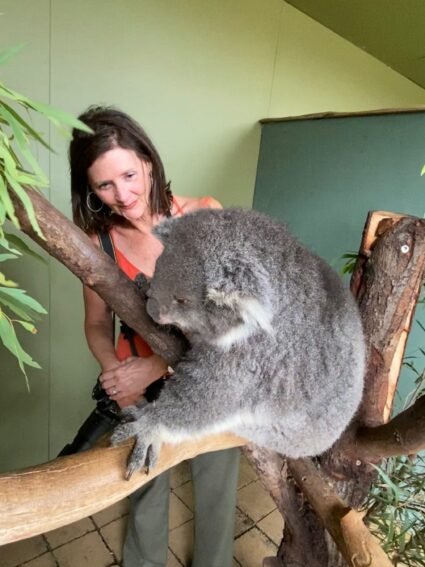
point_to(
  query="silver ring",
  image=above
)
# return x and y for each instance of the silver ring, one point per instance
(114, 391)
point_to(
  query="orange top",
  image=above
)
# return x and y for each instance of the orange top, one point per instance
(123, 348)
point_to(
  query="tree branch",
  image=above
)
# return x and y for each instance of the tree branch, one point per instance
(403, 435)
(357, 545)
(48, 496)
(68, 244)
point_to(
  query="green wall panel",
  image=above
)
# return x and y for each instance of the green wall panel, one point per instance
(322, 177)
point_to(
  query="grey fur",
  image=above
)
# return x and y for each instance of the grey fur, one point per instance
(294, 382)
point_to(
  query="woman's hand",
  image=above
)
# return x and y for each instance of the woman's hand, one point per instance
(127, 381)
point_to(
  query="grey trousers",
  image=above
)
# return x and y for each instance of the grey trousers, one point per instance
(214, 479)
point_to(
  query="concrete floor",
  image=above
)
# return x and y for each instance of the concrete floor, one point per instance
(96, 541)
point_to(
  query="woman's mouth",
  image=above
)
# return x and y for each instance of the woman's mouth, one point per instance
(129, 206)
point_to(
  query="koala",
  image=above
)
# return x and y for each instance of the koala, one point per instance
(276, 344)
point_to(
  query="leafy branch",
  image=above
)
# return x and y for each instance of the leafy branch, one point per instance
(19, 169)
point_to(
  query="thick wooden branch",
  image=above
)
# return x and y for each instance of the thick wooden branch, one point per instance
(356, 544)
(386, 282)
(68, 244)
(48, 496)
(301, 544)
(403, 435)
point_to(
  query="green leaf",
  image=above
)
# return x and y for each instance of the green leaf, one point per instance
(6, 54)
(10, 341)
(4, 257)
(28, 326)
(22, 247)
(7, 246)
(389, 483)
(5, 282)
(8, 114)
(21, 296)
(17, 120)
(2, 213)
(8, 158)
(423, 170)
(26, 201)
(59, 117)
(16, 307)
(8, 205)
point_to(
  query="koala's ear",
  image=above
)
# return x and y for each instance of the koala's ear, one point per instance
(163, 230)
(253, 313)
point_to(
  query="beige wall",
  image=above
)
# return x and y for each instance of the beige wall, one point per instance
(198, 75)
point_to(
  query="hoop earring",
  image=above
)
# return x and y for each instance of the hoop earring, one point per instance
(89, 204)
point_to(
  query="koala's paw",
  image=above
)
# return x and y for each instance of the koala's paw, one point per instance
(146, 448)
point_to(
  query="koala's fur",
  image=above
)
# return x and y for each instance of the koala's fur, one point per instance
(277, 352)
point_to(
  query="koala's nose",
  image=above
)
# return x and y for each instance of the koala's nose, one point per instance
(152, 307)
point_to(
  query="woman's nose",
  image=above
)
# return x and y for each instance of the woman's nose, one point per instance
(120, 193)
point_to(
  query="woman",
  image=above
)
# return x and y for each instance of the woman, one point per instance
(118, 186)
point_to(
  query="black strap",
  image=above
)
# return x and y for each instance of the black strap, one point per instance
(153, 390)
(107, 246)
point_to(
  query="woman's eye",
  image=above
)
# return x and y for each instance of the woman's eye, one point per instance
(103, 186)
(130, 175)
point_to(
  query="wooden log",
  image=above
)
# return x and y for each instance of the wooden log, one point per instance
(386, 282)
(51, 495)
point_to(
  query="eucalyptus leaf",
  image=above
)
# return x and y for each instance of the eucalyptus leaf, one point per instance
(22, 247)
(2, 213)
(26, 201)
(16, 307)
(10, 341)
(28, 326)
(5, 282)
(6, 244)
(21, 296)
(4, 257)
(26, 127)
(8, 114)
(59, 117)
(7, 203)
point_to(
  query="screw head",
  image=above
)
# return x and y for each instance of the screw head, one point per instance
(405, 248)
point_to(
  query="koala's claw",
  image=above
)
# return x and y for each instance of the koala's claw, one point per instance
(145, 451)
(138, 458)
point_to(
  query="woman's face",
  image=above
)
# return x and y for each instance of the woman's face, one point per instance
(122, 181)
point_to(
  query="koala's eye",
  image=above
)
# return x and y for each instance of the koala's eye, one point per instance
(181, 301)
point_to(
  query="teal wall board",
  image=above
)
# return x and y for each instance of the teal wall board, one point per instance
(322, 176)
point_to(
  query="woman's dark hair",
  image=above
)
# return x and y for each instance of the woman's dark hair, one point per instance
(111, 128)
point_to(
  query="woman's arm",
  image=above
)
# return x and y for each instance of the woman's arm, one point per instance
(98, 327)
(123, 381)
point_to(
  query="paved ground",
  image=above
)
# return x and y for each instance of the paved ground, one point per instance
(96, 541)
